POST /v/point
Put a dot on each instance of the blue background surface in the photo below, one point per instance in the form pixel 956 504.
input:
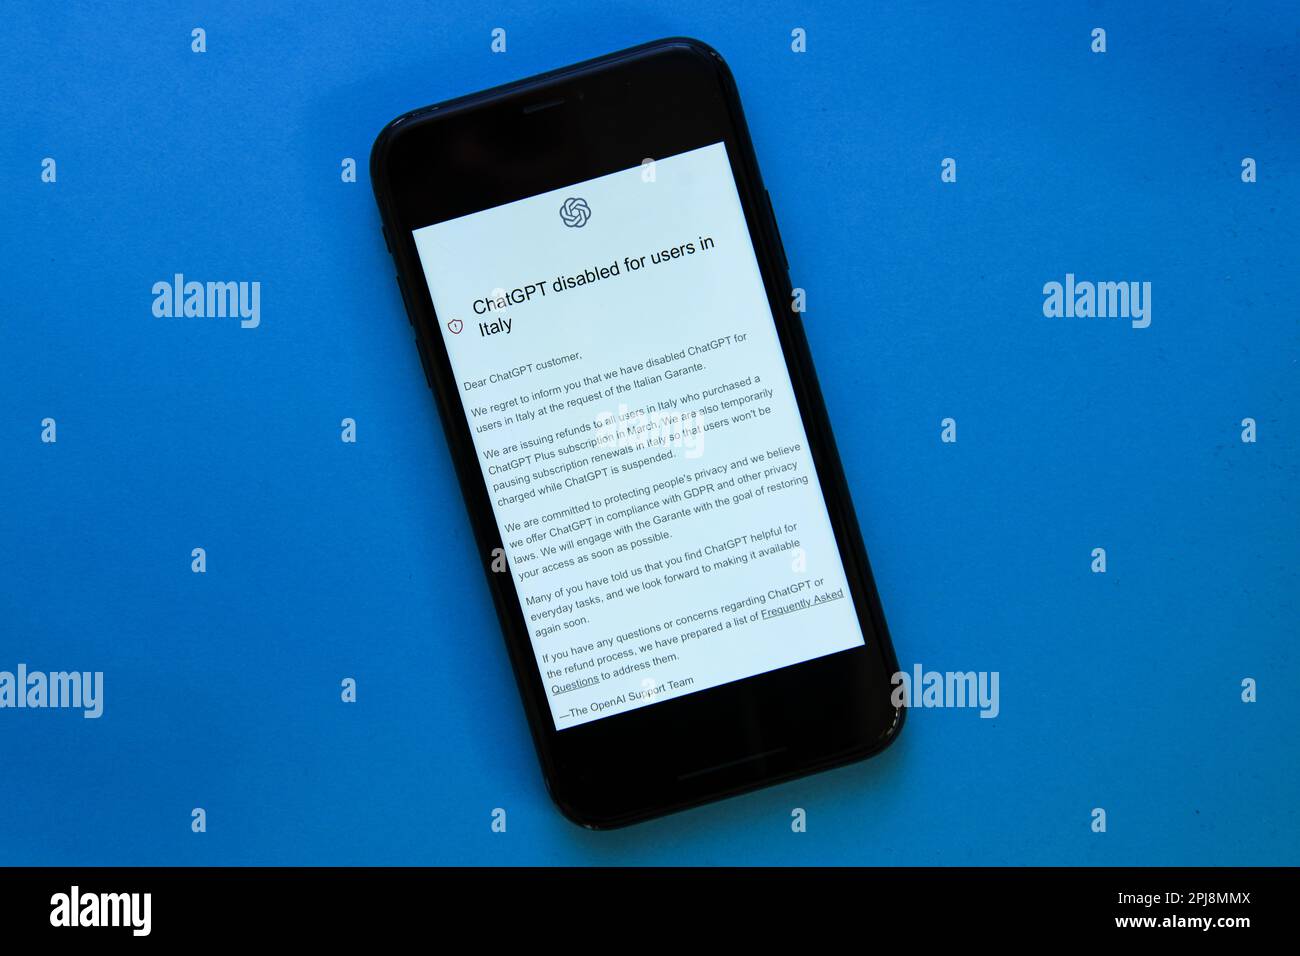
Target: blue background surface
pixel 328 560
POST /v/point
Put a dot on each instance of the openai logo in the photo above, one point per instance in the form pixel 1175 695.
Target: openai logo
pixel 575 212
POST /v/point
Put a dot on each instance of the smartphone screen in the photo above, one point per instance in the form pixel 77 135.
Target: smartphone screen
pixel 618 365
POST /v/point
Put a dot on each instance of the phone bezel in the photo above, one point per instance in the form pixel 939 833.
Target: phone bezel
pixel 565 127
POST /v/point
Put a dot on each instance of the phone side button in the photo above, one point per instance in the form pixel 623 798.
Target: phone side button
pixel 777 229
pixel 424 363
pixel 406 299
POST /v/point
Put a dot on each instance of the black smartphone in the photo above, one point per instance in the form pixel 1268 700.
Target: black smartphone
pixel 604 313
